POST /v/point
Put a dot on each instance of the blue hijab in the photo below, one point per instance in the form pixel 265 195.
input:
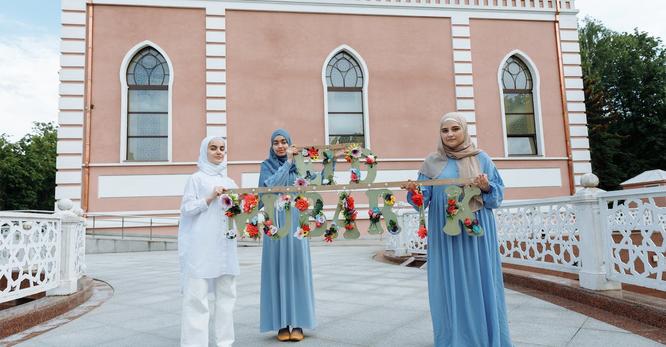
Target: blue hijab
pixel 274 161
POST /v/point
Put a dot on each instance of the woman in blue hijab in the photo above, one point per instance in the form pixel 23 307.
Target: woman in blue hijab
pixel 287 293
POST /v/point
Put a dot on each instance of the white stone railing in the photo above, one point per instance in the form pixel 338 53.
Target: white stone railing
pixel 544 234
pixel 407 241
pixel 485 4
pixel 634 225
pixel 41 253
pixel 607 238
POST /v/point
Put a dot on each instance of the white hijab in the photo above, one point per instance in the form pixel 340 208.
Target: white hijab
pixel 207 167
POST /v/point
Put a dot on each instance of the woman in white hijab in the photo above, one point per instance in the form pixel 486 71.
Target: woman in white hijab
pixel 207 255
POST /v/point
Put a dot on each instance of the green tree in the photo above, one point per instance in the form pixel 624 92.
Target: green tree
pixel 624 77
pixel 27 170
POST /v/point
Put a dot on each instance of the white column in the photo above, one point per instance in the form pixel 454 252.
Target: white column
pixel 462 68
pixel 216 72
pixel 573 82
pixel 71 100
pixel 71 253
pixel 593 273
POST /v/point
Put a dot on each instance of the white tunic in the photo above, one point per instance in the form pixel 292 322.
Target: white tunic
pixel 203 248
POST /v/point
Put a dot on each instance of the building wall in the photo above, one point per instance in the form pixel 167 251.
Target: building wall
pixel 274 78
pixel 242 73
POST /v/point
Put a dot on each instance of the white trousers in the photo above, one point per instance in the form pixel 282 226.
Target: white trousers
pixel 197 315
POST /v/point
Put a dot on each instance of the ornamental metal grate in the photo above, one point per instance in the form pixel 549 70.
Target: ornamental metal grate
pixel 29 254
pixel 634 227
pixel 542 234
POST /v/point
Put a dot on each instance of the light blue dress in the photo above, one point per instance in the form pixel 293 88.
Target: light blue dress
pixel 465 285
pixel 287 293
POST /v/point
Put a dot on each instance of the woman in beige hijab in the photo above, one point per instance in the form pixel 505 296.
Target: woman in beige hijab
pixel 465 285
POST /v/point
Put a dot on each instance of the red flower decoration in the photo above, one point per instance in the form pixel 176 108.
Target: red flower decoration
pixel 350 203
pixel 252 230
pixel 229 214
pixel 468 222
pixel 417 199
pixel 452 202
pixel 305 227
pixel 250 201
pixel 349 226
pixel 302 204
pixel 422 232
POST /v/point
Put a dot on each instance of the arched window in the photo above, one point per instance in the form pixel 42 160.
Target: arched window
pixel 344 81
pixel 147 106
pixel 519 110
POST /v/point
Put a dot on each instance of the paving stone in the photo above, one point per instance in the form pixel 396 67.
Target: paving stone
pixel 359 302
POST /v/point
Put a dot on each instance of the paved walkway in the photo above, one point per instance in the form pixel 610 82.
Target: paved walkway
pixel 360 302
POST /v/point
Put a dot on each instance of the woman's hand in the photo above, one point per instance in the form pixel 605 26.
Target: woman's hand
pixel 291 151
pixel 217 191
pixel 482 182
pixel 409 186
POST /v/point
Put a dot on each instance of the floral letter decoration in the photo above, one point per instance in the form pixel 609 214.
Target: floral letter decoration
pixel 417 199
pixel 346 206
pixel 242 208
pixel 458 214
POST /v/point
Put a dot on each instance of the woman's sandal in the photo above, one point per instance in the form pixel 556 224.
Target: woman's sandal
pixel 283 334
pixel 296 334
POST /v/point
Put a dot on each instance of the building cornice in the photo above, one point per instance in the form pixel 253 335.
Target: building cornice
pixel 540 10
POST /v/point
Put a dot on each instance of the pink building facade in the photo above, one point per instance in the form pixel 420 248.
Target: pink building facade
pixel 143 81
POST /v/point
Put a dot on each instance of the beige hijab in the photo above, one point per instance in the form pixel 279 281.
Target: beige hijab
pixel 465 153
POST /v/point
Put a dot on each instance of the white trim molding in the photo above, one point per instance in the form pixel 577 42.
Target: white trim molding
pixel 132 186
pixel 536 100
pixel 461 43
pixel 366 81
pixel 575 97
pixel 123 97
pixel 71 103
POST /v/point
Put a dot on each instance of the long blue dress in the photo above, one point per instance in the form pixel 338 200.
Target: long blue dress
pixel 465 285
pixel 287 293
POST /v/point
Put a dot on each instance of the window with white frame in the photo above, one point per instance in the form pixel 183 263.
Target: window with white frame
pixel 344 80
pixel 147 106
pixel 519 110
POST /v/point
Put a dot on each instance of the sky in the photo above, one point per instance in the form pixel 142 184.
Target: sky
pixel 29 58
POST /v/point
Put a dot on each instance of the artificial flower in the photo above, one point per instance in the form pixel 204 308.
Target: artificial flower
pixel 389 199
pixel 370 160
pixel 301 182
pixel 225 201
pixel 393 227
pixel 355 176
pixel 320 219
pixel 417 199
pixel 284 202
pixel 422 232
pixel 374 214
pixel 349 202
pixel 252 231
pixel 302 232
pixel 355 152
pixel 301 203
pixel 331 233
pixel 250 201
pixel 313 153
